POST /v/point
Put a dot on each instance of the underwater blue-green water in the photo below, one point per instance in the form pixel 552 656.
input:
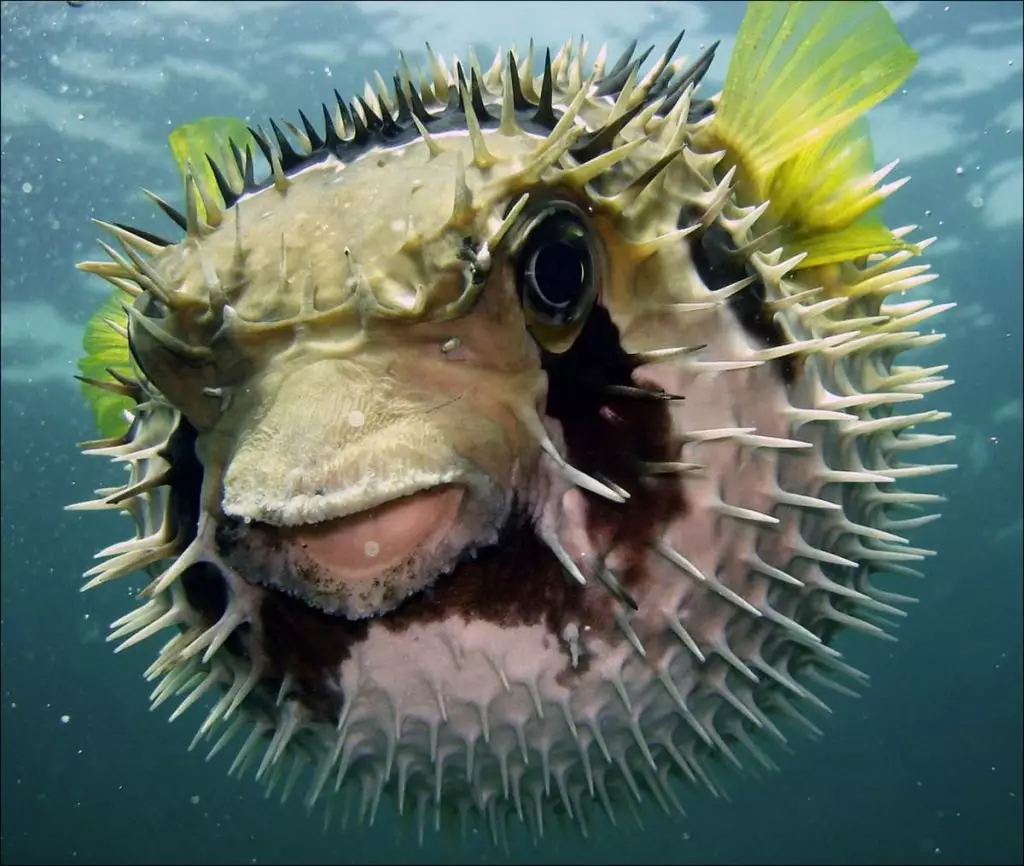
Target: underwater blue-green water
pixel 925 767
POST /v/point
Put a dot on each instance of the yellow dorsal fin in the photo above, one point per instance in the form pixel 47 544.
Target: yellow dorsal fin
pixel 192 142
pixel 791 119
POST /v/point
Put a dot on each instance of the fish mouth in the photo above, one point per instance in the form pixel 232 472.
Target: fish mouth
pixel 367 562
pixel 358 547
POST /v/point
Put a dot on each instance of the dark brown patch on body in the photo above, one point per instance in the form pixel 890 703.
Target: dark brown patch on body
pixel 308 645
pixel 516 581
pixel 610 436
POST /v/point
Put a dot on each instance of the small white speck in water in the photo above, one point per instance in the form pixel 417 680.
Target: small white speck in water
pixel 356 418
pixel 26 187
pixel 371 548
pixel 65 719
pixel 959 169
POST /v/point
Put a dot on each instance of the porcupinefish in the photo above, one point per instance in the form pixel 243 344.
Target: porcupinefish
pixel 518 446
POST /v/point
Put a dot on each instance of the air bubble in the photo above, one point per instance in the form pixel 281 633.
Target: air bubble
pixel 26 187
pixel 959 169
pixel 977 202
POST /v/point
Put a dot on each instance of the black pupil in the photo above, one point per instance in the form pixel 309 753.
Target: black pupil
pixel 558 271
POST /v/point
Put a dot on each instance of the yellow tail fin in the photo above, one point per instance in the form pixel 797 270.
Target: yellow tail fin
pixel 790 116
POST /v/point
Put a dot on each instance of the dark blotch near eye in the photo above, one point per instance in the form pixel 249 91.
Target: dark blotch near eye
pixel 613 447
pixel 719 265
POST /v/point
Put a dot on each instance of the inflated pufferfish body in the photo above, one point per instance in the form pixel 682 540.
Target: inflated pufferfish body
pixel 520 445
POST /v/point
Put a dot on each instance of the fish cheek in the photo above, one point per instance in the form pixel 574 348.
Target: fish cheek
pixel 487 375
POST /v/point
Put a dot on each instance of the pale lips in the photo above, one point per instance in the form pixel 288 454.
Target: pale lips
pixel 361 546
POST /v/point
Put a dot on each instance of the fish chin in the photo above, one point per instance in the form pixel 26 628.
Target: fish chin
pixel 368 562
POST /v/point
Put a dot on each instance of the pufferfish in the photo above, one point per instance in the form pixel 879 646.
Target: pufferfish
pixel 517 449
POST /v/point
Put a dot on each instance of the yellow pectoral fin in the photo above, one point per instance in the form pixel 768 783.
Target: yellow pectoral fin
pixel 106 349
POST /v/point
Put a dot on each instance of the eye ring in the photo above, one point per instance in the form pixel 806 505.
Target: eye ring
pixel 557 268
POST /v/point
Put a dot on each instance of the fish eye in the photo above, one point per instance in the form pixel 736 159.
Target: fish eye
pixel 557 274
pixel 556 269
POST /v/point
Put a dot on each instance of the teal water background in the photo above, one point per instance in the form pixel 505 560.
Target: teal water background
pixel 925 767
